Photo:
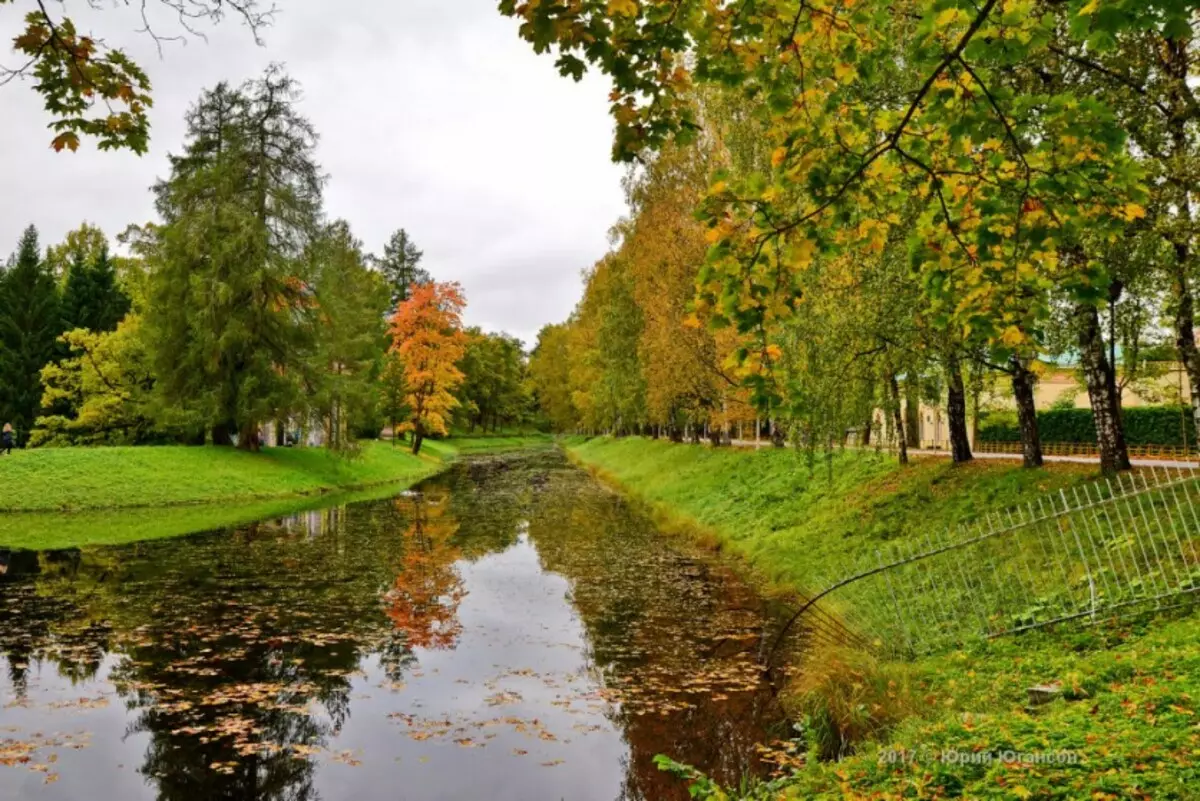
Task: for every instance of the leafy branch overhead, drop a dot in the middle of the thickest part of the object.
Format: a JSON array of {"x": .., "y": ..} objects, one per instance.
[
  {"x": 956, "y": 104},
  {"x": 92, "y": 90}
]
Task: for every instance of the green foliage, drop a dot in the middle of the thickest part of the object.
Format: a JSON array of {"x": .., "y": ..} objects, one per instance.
[
  {"x": 229, "y": 316},
  {"x": 105, "y": 389},
  {"x": 549, "y": 376},
  {"x": 493, "y": 393},
  {"x": 400, "y": 266},
  {"x": 92, "y": 299},
  {"x": 1144, "y": 425},
  {"x": 29, "y": 329},
  {"x": 93, "y": 90},
  {"x": 351, "y": 304}
]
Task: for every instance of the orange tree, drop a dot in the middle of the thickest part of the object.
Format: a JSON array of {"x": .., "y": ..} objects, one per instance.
[{"x": 427, "y": 335}]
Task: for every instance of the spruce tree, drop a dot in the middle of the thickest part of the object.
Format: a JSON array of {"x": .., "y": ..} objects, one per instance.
[
  {"x": 30, "y": 325},
  {"x": 401, "y": 266},
  {"x": 92, "y": 298}
]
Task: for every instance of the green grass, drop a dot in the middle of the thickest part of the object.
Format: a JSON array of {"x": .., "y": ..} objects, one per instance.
[
  {"x": 69, "y": 497},
  {"x": 77, "y": 479},
  {"x": 794, "y": 524},
  {"x": 503, "y": 442},
  {"x": 1128, "y": 712},
  {"x": 50, "y": 530},
  {"x": 1130, "y": 690}
]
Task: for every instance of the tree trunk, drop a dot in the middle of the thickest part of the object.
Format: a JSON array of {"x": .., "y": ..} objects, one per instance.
[
  {"x": 1102, "y": 391},
  {"x": 1031, "y": 440},
  {"x": 248, "y": 438},
  {"x": 778, "y": 438},
  {"x": 898, "y": 419},
  {"x": 1185, "y": 332},
  {"x": 912, "y": 414},
  {"x": 222, "y": 434},
  {"x": 280, "y": 433},
  {"x": 868, "y": 424},
  {"x": 956, "y": 411},
  {"x": 418, "y": 438}
]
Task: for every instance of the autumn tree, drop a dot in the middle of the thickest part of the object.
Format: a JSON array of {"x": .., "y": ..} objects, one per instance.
[
  {"x": 549, "y": 374},
  {"x": 866, "y": 111},
  {"x": 427, "y": 335},
  {"x": 230, "y": 307},
  {"x": 93, "y": 90}
]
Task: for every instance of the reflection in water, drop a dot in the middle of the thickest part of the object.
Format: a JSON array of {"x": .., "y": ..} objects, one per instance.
[{"x": 510, "y": 631}]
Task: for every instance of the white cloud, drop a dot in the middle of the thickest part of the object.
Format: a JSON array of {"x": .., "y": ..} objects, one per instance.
[{"x": 433, "y": 115}]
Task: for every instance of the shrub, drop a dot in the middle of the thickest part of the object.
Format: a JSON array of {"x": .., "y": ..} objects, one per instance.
[
  {"x": 1144, "y": 425},
  {"x": 845, "y": 697}
]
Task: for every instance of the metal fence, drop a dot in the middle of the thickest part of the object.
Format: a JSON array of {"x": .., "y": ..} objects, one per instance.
[
  {"x": 1093, "y": 552},
  {"x": 1157, "y": 452}
]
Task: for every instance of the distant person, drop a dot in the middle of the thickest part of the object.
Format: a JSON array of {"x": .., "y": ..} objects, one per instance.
[{"x": 6, "y": 439}]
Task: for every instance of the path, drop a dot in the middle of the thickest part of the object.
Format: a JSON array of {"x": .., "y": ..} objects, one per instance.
[{"x": 1165, "y": 463}]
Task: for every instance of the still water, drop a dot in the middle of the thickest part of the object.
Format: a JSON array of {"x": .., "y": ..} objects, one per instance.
[{"x": 509, "y": 630}]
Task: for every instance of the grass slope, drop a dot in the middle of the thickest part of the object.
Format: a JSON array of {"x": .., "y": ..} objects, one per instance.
[
  {"x": 795, "y": 524},
  {"x": 1128, "y": 709},
  {"x": 70, "y": 497},
  {"x": 76, "y": 479}
]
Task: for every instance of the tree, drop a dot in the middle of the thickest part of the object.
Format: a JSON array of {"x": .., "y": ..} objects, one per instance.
[
  {"x": 952, "y": 106},
  {"x": 108, "y": 389},
  {"x": 549, "y": 374},
  {"x": 393, "y": 392},
  {"x": 351, "y": 303},
  {"x": 401, "y": 266},
  {"x": 92, "y": 299},
  {"x": 230, "y": 311},
  {"x": 493, "y": 388},
  {"x": 83, "y": 244},
  {"x": 428, "y": 337},
  {"x": 94, "y": 90},
  {"x": 30, "y": 324}
]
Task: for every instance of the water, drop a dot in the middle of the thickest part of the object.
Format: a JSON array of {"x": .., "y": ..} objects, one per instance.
[{"x": 512, "y": 630}]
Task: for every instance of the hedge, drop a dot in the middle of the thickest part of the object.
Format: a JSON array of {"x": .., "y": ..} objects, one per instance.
[{"x": 1144, "y": 425}]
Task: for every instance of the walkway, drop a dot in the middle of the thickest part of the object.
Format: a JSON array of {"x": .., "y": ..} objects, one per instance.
[{"x": 1012, "y": 457}]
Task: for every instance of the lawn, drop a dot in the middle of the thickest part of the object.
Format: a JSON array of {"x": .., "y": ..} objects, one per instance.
[
  {"x": 69, "y": 497},
  {"x": 77, "y": 479}
]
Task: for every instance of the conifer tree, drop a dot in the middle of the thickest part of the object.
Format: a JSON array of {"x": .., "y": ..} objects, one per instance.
[
  {"x": 401, "y": 266},
  {"x": 230, "y": 307},
  {"x": 29, "y": 329},
  {"x": 92, "y": 298}
]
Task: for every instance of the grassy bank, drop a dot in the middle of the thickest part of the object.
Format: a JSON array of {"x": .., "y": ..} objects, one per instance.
[
  {"x": 57, "y": 498},
  {"x": 78, "y": 479},
  {"x": 793, "y": 523},
  {"x": 1127, "y": 712}
]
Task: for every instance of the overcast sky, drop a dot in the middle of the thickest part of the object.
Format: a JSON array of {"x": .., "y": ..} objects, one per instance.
[{"x": 434, "y": 116}]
